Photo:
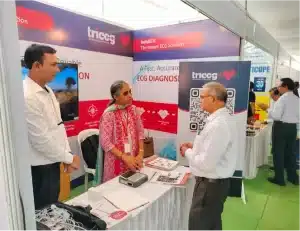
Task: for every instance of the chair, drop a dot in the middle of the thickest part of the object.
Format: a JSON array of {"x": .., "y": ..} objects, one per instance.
[{"x": 82, "y": 136}]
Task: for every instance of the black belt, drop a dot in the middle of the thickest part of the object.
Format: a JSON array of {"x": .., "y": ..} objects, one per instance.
[{"x": 211, "y": 180}]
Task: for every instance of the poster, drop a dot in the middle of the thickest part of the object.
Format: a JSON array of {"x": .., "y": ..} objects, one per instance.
[
  {"x": 235, "y": 76},
  {"x": 259, "y": 84},
  {"x": 65, "y": 88}
]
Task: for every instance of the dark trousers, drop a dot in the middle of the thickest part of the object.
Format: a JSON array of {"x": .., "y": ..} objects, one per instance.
[
  {"x": 284, "y": 143},
  {"x": 207, "y": 204},
  {"x": 272, "y": 149},
  {"x": 46, "y": 184}
]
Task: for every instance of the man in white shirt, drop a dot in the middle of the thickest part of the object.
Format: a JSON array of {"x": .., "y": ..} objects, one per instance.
[
  {"x": 47, "y": 136},
  {"x": 212, "y": 159},
  {"x": 285, "y": 114}
]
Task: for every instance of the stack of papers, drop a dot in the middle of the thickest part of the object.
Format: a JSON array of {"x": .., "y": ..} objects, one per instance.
[
  {"x": 171, "y": 178},
  {"x": 126, "y": 199},
  {"x": 161, "y": 163}
]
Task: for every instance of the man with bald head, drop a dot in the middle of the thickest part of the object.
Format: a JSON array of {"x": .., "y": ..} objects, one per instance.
[{"x": 212, "y": 159}]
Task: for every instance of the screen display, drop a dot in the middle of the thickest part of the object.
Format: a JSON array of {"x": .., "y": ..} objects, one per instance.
[{"x": 65, "y": 88}]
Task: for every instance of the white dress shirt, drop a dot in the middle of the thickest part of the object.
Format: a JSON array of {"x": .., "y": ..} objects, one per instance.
[
  {"x": 286, "y": 109},
  {"x": 46, "y": 132},
  {"x": 215, "y": 151}
]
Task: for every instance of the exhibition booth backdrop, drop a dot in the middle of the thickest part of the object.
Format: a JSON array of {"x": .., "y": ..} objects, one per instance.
[
  {"x": 101, "y": 52},
  {"x": 262, "y": 70},
  {"x": 150, "y": 59}
]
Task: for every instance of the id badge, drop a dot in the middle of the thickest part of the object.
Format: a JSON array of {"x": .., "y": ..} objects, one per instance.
[{"x": 127, "y": 148}]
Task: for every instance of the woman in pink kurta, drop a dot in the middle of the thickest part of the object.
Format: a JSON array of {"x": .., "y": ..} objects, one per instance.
[{"x": 121, "y": 133}]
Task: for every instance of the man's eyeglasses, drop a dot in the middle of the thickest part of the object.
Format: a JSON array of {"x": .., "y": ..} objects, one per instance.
[{"x": 204, "y": 96}]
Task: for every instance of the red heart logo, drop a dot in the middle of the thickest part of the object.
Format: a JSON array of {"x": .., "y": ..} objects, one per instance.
[
  {"x": 125, "y": 39},
  {"x": 229, "y": 74}
]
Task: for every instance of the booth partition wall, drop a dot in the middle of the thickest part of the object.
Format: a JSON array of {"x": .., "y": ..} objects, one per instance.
[{"x": 16, "y": 196}]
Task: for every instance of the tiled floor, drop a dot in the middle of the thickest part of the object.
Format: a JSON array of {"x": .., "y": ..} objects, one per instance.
[{"x": 269, "y": 207}]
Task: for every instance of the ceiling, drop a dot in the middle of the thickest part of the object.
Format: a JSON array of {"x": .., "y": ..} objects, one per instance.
[
  {"x": 150, "y": 13},
  {"x": 281, "y": 20}
]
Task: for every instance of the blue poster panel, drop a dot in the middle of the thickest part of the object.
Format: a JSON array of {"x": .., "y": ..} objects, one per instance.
[{"x": 235, "y": 76}]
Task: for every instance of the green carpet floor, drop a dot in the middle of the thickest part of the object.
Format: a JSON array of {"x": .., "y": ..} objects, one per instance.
[{"x": 269, "y": 207}]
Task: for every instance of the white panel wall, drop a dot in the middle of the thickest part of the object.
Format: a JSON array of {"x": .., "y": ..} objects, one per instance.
[
  {"x": 14, "y": 148},
  {"x": 238, "y": 21}
]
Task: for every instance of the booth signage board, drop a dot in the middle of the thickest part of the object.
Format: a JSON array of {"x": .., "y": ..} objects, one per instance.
[
  {"x": 42, "y": 23},
  {"x": 157, "y": 54},
  {"x": 200, "y": 39},
  {"x": 235, "y": 76}
]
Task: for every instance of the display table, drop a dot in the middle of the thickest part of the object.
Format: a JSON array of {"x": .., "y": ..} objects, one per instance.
[
  {"x": 257, "y": 151},
  {"x": 168, "y": 208}
]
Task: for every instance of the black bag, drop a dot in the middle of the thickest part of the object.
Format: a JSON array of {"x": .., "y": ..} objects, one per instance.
[
  {"x": 41, "y": 226},
  {"x": 89, "y": 148},
  {"x": 83, "y": 216}
]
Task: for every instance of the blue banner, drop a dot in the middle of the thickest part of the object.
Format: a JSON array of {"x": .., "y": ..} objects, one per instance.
[{"x": 235, "y": 76}]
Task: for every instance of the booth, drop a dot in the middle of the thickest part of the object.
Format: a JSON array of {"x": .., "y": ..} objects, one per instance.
[
  {"x": 258, "y": 144},
  {"x": 160, "y": 63}
]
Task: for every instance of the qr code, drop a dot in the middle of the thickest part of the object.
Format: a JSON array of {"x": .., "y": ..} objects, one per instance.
[{"x": 198, "y": 116}]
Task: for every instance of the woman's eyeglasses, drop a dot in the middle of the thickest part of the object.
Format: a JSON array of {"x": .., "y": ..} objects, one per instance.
[{"x": 127, "y": 92}]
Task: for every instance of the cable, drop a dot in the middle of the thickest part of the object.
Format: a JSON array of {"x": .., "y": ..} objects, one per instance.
[
  {"x": 23, "y": 210},
  {"x": 57, "y": 219}
]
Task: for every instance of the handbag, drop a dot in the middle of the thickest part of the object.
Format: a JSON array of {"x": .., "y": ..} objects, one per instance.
[{"x": 148, "y": 146}]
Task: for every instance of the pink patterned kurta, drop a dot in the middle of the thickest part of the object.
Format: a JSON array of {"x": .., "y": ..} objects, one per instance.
[{"x": 112, "y": 134}]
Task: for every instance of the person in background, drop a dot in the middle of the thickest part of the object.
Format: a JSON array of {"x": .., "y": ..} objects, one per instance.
[
  {"x": 296, "y": 90},
  {"x": 274, "y": 94},
  {"x": 212, "y": 159},
  {"x": 285, "y": 114},
  {"x": 251, "y": 104},
  {"x": 121, "y": 133},
  {"x": 48, "y": 140}
]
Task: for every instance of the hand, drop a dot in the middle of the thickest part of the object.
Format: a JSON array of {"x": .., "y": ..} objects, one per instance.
[
  {"x": 68, "y": 168},
  {"x": 139, "y": 159},
  {"x": 130, "y": 162},
  {"x": 263, "y": 106},
  {"x": 187, "y": 144},
  {"x": 183, "y": 150},
  {"x": 76, "y": 162}
]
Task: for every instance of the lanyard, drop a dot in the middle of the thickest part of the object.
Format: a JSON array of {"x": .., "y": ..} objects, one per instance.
[{"x": 124, "y": 123}]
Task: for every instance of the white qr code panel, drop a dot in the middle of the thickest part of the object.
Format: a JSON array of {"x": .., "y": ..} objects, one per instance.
[{"x": 198, "y": 116}]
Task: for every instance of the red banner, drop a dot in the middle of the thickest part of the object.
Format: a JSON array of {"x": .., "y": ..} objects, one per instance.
[{"x": 32, "y": 19}]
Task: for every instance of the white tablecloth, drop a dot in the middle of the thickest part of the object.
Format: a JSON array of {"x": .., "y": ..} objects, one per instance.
[
  {"x": 257, "y": 151},
  {"x": 168, "y": 208}
]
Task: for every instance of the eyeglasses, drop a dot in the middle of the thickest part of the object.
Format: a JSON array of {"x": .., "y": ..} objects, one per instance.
[
  {"x": 127, "y": 92},
  {"x": 204, "y": 96}
]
